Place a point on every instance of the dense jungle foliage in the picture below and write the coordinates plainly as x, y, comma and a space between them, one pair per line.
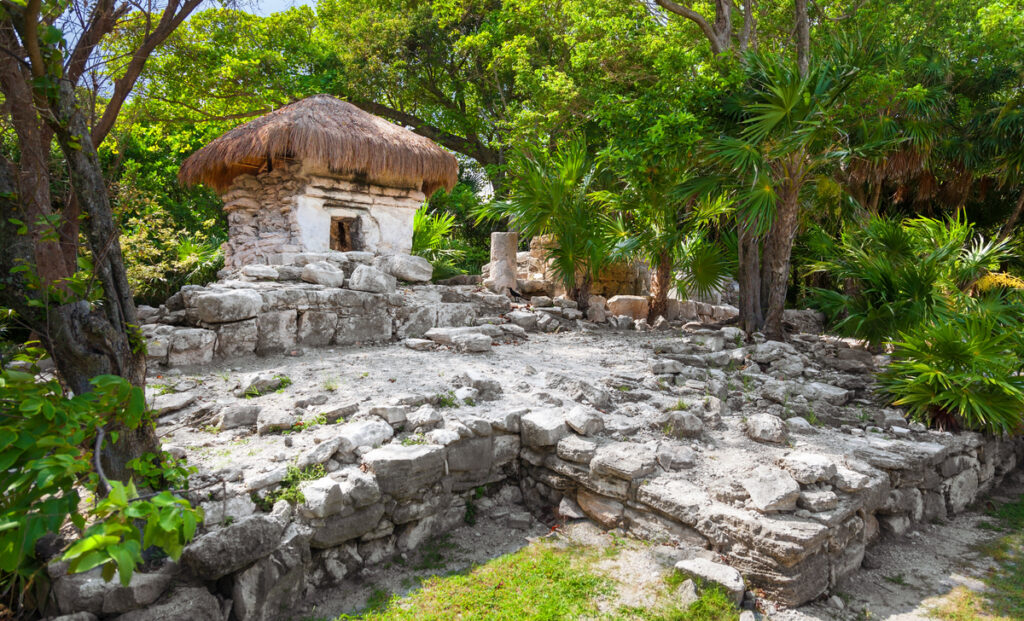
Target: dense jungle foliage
862, 157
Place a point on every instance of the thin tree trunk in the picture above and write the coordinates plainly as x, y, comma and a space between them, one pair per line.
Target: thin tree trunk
1007, 229
777, 252
750, 318
661, 282
803, 37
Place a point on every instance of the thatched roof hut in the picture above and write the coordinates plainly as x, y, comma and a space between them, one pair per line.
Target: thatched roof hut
326, 133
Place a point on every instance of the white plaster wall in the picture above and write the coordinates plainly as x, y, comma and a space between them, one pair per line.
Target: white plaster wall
314, 224
395, 226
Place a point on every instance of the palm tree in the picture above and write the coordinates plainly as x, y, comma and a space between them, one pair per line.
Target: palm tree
789, 138
550, 195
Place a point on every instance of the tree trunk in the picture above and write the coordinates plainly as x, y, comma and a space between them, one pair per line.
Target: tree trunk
1007, 229
105, 339
581, 292
777, 251
803, 38
661, 282
750, 318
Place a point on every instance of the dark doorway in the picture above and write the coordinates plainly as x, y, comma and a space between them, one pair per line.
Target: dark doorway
345, 234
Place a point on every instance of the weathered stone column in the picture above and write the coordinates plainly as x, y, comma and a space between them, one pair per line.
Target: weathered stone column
503, 262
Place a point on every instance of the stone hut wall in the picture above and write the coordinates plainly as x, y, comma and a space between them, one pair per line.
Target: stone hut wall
272, 216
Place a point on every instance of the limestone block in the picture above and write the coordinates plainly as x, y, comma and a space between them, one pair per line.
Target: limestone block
961, 490
236, 339
543, 428
274, 583
584, 420
576, 449
323, 273
766, 428
471, 455
192, 603
455, 314
317, 328
714, 573
685, 425
809, 468
403, 470
472, 342
240, 415
323, 498
261, 272
502, 277
359, 329
226, 306
188, 346
771, 489
366, 278
504, 247
605, 511
676, 498
405, 267
634, 306
624, 460
371, 432
226, 550
343, 527
277, 331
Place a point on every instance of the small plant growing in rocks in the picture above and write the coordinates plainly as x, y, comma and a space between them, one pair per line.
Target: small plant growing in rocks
414, 439
289, 487
680, 406
446, 400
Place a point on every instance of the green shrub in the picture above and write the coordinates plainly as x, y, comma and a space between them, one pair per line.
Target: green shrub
433, 238
46, 464
960, 371
895, 275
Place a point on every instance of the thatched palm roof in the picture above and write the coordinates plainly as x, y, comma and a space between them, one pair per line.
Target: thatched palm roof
329, 133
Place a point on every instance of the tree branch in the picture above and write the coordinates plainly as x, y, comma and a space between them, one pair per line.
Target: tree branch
169, 21
101, 23
470, 148
697, 18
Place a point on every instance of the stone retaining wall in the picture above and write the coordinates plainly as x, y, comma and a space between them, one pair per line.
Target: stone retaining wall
318, 299
382, 497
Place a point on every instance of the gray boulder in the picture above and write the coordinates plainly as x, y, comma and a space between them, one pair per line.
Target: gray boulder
405, 267
766, 428
771, 489
226, 550
323, 273
366, 278
192, 603
714, 573
226, 306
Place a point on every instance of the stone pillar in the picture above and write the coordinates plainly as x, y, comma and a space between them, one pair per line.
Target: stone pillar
504, 246
503, 262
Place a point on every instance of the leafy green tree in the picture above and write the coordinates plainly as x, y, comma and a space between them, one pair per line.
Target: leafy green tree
900, 274
76, 298
789, 138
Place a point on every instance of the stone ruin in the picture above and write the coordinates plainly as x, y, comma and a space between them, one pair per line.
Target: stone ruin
763, 464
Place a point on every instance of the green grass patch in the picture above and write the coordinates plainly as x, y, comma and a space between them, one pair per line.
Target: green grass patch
1003, 598
537, 582
545, 581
